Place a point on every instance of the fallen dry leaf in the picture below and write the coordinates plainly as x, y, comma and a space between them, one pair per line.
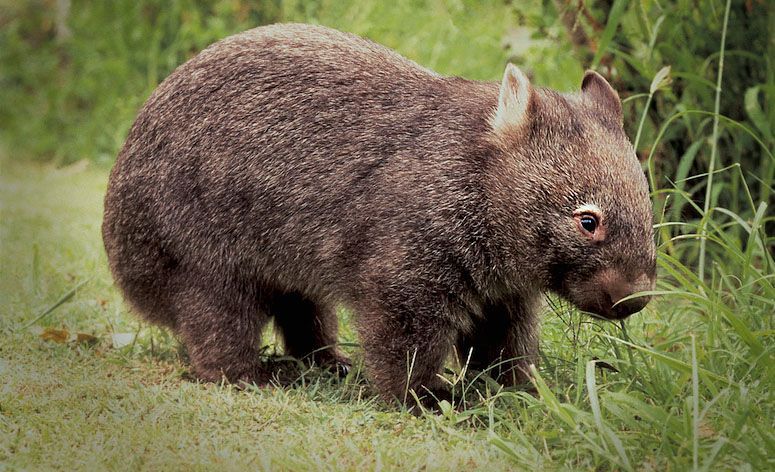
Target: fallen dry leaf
706, 431
63, 336
60, 336
83, 338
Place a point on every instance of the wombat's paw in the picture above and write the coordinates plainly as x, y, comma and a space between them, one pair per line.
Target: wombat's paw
257, 377
343, 368
242, 378
337, 364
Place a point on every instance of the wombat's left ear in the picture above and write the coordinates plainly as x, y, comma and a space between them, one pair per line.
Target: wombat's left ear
513, 99
597, 88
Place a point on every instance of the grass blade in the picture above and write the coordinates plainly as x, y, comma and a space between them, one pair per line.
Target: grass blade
62, 300
695, 409
605, 431
714, 143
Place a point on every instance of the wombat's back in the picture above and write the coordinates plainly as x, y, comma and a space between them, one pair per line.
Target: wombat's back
288, 155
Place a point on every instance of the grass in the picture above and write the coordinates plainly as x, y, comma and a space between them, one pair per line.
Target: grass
688, 385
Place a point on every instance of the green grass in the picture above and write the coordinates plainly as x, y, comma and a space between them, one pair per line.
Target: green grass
694, 375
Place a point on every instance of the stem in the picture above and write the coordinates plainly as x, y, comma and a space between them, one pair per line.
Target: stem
714, 147
642, 120
695, 408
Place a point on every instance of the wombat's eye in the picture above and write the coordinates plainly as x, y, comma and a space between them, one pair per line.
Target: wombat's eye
588, 222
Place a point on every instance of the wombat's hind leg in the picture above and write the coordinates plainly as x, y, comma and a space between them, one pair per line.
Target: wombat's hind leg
309, 330
221, 332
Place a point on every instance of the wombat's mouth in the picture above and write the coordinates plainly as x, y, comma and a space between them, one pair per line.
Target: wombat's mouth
610, 293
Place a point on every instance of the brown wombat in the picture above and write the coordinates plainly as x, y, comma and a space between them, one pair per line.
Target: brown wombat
293, 169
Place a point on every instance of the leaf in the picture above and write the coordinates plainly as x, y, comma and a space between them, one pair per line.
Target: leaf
122, 340
661, 80
60, 336
755, 113
84, 338
446, 408
617, 10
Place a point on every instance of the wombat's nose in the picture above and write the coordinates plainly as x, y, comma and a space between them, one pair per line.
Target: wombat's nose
623, 309
628, 307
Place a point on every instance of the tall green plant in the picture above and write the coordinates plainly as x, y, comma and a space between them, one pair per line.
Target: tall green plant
714, 144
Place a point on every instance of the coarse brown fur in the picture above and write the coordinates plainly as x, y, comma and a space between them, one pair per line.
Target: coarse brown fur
292, 169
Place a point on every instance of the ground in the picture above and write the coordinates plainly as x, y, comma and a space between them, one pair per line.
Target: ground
85, 385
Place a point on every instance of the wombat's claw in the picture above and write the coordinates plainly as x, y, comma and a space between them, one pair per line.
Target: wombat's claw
337, 364
343, 368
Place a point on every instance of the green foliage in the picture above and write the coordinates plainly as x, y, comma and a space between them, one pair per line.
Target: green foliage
76, 97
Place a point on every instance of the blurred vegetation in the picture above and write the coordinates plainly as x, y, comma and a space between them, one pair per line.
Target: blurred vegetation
73, 75
73, 96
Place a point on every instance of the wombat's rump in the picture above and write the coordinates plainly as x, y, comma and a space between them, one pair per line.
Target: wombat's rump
292, 169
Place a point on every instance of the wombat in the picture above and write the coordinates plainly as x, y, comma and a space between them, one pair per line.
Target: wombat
292, 169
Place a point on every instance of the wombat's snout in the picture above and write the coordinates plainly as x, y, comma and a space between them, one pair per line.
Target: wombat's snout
619, 288
629, 307
602, 293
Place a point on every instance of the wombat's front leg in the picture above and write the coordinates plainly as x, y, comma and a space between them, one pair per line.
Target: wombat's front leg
309, 330
221, 332
505, 341
406, 341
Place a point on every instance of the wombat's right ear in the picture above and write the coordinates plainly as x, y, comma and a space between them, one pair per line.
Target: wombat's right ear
513, 99
602, 93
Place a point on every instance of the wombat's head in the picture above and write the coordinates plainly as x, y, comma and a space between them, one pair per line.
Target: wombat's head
576, 199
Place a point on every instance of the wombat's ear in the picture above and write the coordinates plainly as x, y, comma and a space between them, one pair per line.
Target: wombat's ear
513, 100
597, 88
